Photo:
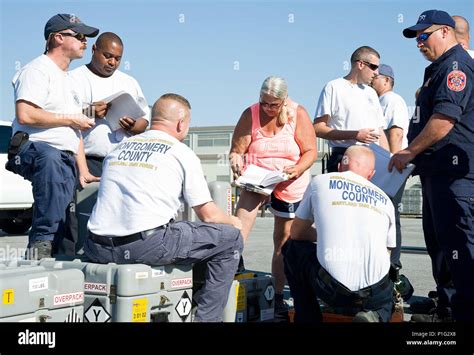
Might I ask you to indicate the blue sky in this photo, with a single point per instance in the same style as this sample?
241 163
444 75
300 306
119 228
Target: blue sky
217 53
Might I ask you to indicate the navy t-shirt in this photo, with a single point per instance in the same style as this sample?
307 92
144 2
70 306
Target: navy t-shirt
448 90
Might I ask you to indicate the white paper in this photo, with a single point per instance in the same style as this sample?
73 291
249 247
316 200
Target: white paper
389 182
260 180
267 191
122 104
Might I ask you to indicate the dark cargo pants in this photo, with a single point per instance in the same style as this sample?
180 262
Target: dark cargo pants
306 282
448 226
184 243
52 173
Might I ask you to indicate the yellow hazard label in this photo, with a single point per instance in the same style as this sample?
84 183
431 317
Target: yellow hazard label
8 296
241 297
245 276
139 310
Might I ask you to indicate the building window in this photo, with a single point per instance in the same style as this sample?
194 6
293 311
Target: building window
213 140
187 141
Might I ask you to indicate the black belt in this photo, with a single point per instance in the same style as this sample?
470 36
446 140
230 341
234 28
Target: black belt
343 290
127 239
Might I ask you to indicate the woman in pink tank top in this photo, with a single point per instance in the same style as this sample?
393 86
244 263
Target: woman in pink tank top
277 134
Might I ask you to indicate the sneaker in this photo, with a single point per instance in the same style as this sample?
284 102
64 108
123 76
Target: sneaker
366 317
39 250
435 316
423 306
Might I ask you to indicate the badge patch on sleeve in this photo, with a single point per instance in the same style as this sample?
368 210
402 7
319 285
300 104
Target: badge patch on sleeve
456 80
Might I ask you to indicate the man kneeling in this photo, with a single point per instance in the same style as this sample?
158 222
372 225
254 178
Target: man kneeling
144 180
354 227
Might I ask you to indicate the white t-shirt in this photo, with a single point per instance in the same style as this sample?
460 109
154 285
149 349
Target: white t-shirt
350 107
355 223
100 140
471 53
395 111
144 181
44 84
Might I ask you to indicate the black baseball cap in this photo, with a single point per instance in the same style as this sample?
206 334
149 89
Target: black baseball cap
427 19
62 22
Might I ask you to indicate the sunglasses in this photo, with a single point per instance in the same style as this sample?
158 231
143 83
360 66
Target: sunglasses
270 106
424 36
372 66
78 36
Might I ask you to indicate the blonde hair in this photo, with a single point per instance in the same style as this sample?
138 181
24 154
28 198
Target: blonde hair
277 87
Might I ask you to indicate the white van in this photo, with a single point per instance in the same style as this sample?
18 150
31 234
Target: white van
16 197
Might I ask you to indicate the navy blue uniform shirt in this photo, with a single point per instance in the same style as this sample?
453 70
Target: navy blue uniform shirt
447 89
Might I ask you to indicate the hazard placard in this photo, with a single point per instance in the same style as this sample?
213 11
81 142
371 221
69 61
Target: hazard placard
96 313
269 293
8 296
183 307
140 310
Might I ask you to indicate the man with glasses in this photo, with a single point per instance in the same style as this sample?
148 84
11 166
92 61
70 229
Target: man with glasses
349 110
46 130
441 144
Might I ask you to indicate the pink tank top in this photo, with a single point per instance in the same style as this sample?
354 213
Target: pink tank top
277 152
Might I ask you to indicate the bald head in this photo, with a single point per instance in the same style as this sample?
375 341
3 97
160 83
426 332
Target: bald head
360 160
106 38
171 113
462 31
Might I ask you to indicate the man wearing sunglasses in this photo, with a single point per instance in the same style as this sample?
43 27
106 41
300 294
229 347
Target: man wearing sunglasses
441 144
49 120
349 110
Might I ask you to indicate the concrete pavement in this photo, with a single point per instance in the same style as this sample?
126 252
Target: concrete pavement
259 248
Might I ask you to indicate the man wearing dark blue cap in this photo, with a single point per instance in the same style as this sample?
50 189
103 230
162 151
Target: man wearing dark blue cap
441 144
61 22
46 130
